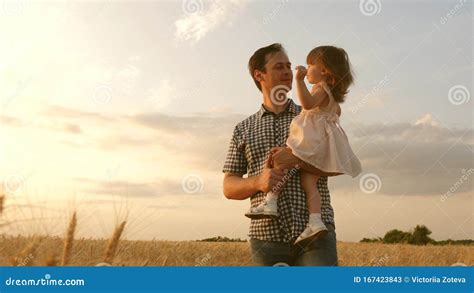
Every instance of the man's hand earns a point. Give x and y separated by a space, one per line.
300 72
270 177
283 158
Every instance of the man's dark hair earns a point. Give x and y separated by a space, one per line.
258 60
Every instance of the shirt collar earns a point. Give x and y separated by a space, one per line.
291 107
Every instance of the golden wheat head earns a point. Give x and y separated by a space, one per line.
113 243
69 240
2 201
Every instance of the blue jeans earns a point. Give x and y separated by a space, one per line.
320 252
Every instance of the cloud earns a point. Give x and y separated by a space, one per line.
127 188
187 124
11 121
176 135
160 97
186 185
63 112
66 127
72 128
45 124
423 158
420 158
424 130
201 19
201 140
427 119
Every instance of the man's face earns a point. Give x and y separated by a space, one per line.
278 71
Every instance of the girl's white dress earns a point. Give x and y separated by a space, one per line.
317 138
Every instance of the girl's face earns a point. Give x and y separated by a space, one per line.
316 73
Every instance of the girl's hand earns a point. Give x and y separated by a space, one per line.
283 158
269 178
300 72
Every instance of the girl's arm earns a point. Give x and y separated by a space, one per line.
284 159
308 100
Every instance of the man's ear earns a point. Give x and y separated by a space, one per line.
258 75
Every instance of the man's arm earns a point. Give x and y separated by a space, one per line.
239 188
283 158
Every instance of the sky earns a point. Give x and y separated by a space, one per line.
125 109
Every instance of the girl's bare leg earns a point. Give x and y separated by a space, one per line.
315 227
309 182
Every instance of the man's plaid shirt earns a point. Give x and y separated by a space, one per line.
249 147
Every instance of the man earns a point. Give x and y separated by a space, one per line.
257 148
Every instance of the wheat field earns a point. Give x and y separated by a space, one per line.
87 252
51 251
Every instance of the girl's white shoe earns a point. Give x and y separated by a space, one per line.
314 230
267 209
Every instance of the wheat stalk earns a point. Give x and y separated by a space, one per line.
164 262
68 240
51 261
2 201
145 263
113 243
